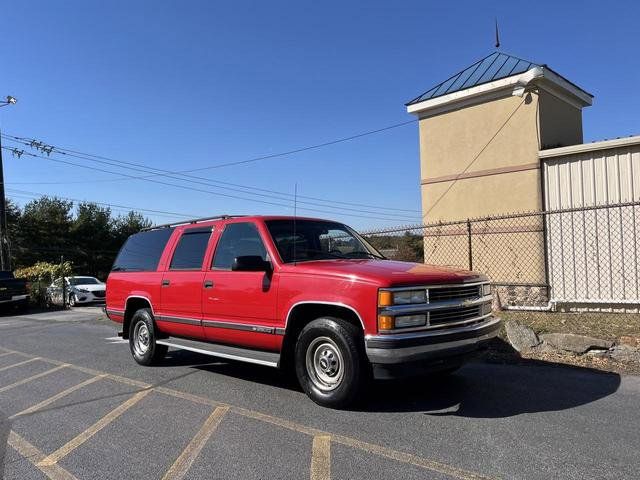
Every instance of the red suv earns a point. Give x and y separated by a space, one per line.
303 293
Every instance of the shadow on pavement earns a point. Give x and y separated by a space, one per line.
486 390
478 390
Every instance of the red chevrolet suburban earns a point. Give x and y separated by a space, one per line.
300 293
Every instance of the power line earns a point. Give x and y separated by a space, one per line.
210 182
24 193
297 150
184 187
50 149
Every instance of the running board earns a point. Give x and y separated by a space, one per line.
269 359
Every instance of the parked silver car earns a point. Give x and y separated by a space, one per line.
78 290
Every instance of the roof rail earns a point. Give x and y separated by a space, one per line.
190 222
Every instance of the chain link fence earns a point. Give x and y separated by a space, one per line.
579 260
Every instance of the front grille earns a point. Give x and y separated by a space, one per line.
448 306
443 294
448 315
98 293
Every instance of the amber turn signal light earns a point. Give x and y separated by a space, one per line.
385 322
385 299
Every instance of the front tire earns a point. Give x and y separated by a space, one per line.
72 300
330 362
142 339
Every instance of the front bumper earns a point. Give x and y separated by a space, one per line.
16 298
407 354
87 297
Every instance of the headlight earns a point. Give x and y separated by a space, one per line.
83 290
386 322
486 289
406 297
405 321
410 296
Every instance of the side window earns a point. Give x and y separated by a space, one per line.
189 252
142 251
238 239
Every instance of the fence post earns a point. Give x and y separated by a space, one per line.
470 250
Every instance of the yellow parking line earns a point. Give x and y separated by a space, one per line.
58 396
33 455
409 458
182 464
188 396
379 450
19 363
74 443
321 458
432 465
33 377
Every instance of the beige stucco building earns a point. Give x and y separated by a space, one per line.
481 131
503 136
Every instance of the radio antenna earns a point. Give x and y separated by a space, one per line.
295 215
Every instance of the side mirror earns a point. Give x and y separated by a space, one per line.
250 263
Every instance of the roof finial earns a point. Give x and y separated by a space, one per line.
497 35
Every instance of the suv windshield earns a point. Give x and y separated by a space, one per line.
83 281
317 240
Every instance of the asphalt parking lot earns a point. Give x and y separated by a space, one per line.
75 405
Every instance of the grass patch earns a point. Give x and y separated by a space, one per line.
609 326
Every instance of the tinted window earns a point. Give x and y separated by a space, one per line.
309 240
238 239
142 251
189 253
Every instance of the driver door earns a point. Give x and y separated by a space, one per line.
239 307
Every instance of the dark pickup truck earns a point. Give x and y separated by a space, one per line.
13 291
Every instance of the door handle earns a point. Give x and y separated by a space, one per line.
208 284
165 282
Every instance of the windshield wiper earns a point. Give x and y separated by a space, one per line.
321 252
366 254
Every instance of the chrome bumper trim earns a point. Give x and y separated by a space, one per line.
407 347
15 298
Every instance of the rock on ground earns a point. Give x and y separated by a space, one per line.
522 338
625 353
575 343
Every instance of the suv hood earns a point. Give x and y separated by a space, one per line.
386 273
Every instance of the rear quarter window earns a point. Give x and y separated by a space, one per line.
142 251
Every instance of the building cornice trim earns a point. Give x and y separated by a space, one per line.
505 87
590 147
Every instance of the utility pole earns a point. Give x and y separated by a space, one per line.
5 259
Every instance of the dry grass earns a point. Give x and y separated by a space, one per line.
609 326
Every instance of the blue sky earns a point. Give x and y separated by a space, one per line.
184 85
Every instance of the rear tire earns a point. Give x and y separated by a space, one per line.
142 339
330 363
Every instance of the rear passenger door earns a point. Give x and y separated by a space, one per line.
180 311
239 307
